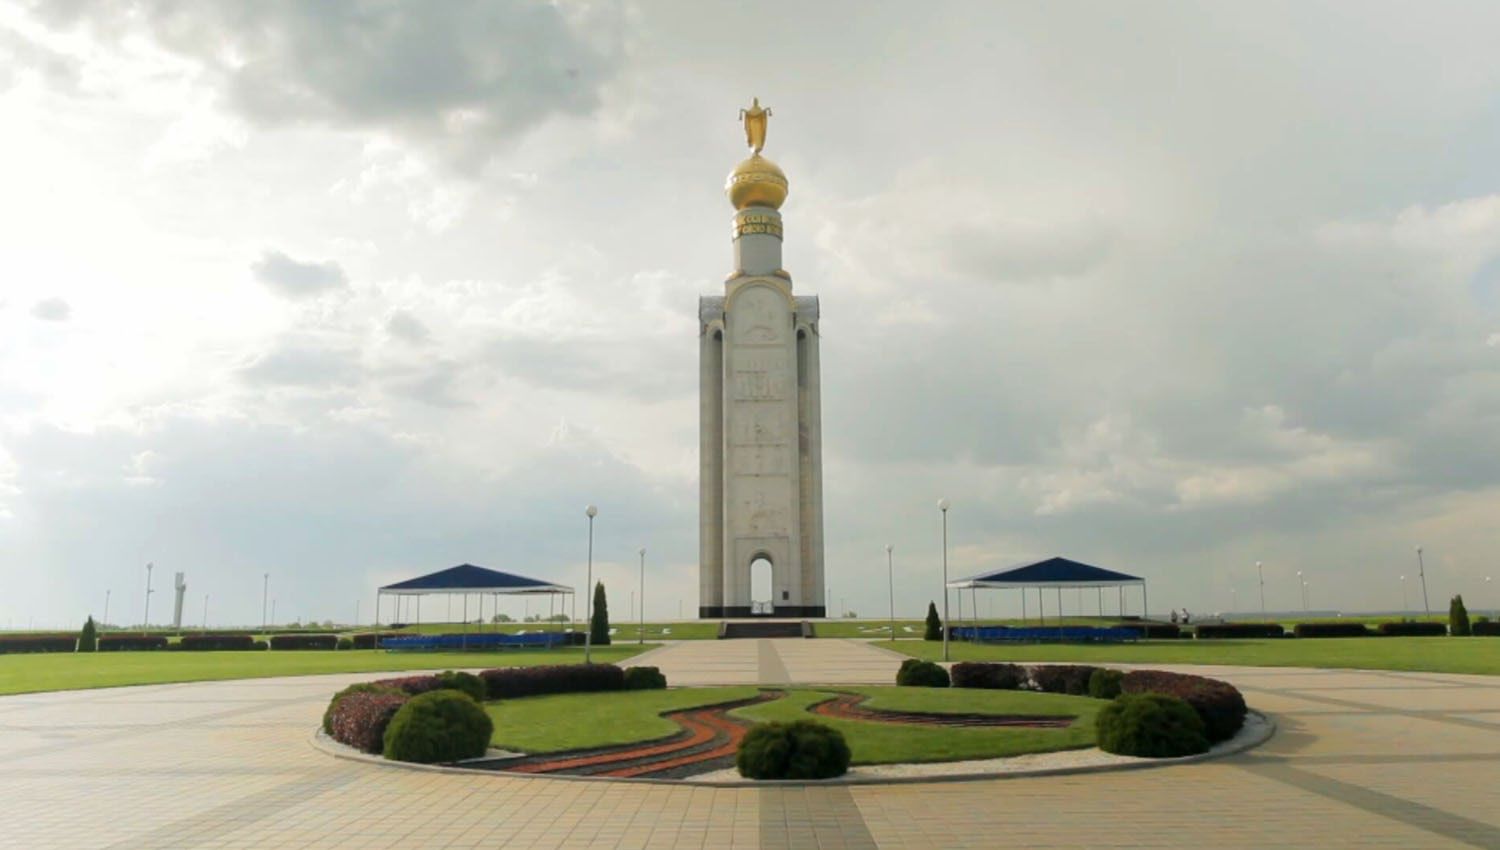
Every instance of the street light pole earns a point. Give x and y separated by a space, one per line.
1261 574
205 612
106 609
265 595
890 571
642 636
1404 606
588 603
146 619
1302 589
1422 574
943 505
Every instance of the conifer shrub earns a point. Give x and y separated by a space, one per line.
88 636
1150 726
358 688
360 719
916 673
934 626
1458 618
439 726
644 679
989 675
1062 678
1105 683
599 622
803 749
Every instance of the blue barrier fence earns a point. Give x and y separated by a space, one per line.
1041 634
477 641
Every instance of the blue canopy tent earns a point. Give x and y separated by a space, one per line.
1055 572
466 580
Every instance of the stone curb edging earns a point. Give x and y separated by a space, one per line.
320 741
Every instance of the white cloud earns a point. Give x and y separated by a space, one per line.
295 278
52 310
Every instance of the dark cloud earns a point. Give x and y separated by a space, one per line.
457 76
295 279
52 310
404 326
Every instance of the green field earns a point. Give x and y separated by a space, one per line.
1430 654
886 743
548 724
574 721
69 671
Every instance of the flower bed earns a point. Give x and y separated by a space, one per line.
1330 630
1219 704
131 643
216 643
1207 631
309 641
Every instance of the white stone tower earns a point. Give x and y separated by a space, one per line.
761 461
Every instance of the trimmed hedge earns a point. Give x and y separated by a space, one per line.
441 726
360 719
1062 678
1412 629
994 676
216 643
359 688
1219 704
1105 684
304 641
1486 628
366 640
916 673
512 682
1206 631
37 643
1150 726
131 643
644 679
1152 631
803 749
1330 630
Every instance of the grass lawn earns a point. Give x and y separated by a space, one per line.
1430 654
885 743
548 724
68 671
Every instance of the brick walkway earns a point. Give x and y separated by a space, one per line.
1362 760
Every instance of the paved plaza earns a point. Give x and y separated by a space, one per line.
1367 759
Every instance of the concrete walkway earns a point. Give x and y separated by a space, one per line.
1362 760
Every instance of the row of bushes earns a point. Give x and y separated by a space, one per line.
1219 705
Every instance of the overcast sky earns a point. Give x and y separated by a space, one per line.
351 292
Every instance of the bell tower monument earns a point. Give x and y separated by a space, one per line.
760 427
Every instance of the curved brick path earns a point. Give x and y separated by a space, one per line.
1361 760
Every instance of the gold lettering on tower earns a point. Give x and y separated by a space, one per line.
757 223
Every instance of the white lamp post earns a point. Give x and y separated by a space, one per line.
943 505
642 635
1422 574
588 603
1302 588
205 612
1261 574
265 596
890 571
1404 606
106 610
146 619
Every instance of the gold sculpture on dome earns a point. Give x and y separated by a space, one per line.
755 125
757 181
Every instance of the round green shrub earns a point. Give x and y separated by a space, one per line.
915 673
345 643
644 679
360 688
466 682
1150 726
438 726
1105 684
803 749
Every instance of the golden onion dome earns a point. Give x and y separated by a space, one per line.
756 182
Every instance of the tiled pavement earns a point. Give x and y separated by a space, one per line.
1362 759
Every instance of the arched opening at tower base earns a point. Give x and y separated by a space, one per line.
762 594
